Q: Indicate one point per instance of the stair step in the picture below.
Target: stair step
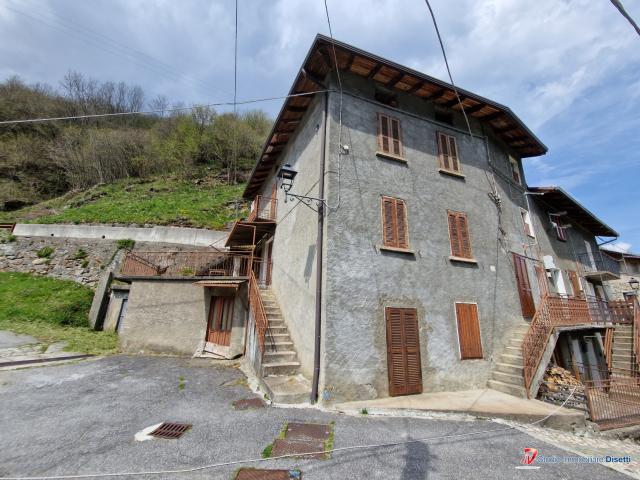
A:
(514, 350)
(511, 359)
(278, 346)
(280, 368)
(507, 388)
(279, 357)
(509, 368)
(515, 380)
(617, 338)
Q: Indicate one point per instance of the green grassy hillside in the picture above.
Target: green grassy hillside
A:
(200, 201)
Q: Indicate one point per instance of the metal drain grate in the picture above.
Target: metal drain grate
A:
(246, 403)
(298, 447)
(308, 431)
(171, 430)
(258, 474)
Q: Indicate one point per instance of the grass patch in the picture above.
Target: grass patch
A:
(266, 452)
(364, 411)
(125, 243)
(328, 443)
(181, 383)
(52, 311)
(80, 254)
(283, 431)
(168, 200)
(45, 252)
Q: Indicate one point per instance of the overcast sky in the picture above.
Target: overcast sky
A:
(570, 69)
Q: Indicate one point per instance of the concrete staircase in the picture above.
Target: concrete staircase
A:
(280, 366)
(507, 375)
(622, 349)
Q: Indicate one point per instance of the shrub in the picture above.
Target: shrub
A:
(45, 252)
(85, 263)
(187, 272)
(80, 254)
(125, 243)
(11, 238)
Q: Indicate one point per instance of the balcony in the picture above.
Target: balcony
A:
(183, 264)
(598, 265)
(263, 209)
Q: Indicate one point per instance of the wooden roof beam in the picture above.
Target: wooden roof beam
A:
(454, 101)
(374, 71)
(438, 94)
(293, 108)
(350, 62)
(502, 130)
(394, 80)
(415, 88)
(474, 109)
(328, 59)
(491, 116)
(314, 77)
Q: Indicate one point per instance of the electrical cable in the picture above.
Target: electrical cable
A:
(335, 60)
(446, 62)
(292, 455)
(149, 112)
(620, 7)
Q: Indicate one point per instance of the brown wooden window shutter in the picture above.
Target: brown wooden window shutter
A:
(468, 331)
(575, 283)
(459, 235)
(403, 351)
(448, 152)
(395, 228)
(389, 135)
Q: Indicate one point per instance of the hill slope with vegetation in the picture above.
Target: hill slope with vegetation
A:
(179, 165)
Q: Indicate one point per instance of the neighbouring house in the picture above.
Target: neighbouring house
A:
(626, 286)
(391, 249)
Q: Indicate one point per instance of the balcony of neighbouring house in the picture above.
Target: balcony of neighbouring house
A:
(598, 265)
(263, 209)
(186, 264)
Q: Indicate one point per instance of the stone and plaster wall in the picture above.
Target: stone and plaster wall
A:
(362, 279)
(170, 317)
(65, 262)
(294, 246)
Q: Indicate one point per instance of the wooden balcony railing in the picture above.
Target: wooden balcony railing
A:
(185, 264)
(263, 208)
(556, 311)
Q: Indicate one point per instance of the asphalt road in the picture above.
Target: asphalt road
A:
(81, 418)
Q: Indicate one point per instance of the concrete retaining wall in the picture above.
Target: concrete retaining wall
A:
(178, 235)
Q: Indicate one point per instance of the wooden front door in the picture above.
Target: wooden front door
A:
(403, 351)
(524, 286)
(220, 320)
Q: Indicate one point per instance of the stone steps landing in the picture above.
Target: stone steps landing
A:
(507, 375)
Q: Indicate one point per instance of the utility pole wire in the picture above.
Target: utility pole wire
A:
(235, 104)
(446, 62)
(620, 7)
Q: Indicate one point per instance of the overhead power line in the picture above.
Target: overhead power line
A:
(446, 62)
(620, 7)
(150, 112)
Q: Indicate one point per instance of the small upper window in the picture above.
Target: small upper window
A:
(558, 226)
(526, 222)
(515, 171)
(448, 153)
(389, 135)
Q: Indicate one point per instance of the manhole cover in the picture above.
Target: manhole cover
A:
(170, 430)
(308, 431)
(314, 448)
(257, 474)
(246, 403)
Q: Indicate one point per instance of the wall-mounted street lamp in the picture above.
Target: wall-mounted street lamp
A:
(634, 284)
(287, 174)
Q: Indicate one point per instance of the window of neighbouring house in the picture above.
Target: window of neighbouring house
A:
(469, 338)
(389, 135)
(448, 153)
(459, 235)
(527, 224)
(515, 171)
(559, 227)
(395, 228)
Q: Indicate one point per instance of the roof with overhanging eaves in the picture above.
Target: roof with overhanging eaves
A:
(320, 61)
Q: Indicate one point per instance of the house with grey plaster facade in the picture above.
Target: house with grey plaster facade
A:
(393, 247)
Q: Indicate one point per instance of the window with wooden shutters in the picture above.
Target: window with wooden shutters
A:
(558, 226)
(515, 171)
(403, 351)
(459, 235)
(526, 222)
(468, 331)
(448, 153)
(389, 135)
(395, 228)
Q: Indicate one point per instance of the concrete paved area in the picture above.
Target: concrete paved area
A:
(11, 340)
(485, 403)
(81, 418)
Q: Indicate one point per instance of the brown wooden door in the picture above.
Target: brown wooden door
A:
(403, 351)
(543, 285)
(524, 286)
(468, 331)
(220, 320)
